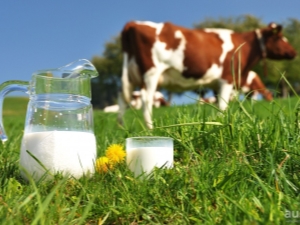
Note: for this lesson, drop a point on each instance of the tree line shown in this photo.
(109, 65)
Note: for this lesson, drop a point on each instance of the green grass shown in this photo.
(240, 166)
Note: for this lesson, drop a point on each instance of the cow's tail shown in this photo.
(126, 86)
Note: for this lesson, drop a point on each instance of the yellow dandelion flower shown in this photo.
(103, 164)
(115, 153)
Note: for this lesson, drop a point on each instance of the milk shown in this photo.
(69, 152)
(145, 159)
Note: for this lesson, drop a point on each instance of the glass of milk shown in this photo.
(59, 130)
(143, 154)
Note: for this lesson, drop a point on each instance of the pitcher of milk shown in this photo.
(58, 135)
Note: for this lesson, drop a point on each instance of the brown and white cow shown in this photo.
(178, 59)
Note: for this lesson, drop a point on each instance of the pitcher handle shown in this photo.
(5, 88)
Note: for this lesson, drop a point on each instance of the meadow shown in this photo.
(240, 166)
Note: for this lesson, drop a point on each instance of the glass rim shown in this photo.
(149, 137)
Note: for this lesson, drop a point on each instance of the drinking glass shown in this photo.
(143, 154)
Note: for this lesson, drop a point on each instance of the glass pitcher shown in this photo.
(58, 134)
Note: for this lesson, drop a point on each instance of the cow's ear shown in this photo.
(276, 28)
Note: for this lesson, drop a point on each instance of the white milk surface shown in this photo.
(145, 159)
(70, 152)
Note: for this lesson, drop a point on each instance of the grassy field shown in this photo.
(240, 166)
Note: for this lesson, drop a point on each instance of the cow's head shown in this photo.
(276, 46)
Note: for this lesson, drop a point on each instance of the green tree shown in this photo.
(292, 32)
(109, 66)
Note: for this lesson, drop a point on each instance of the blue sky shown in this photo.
(48, 34)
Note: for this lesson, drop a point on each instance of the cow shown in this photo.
(252, 87)
(177, 58)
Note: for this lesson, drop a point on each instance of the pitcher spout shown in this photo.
(81, 67)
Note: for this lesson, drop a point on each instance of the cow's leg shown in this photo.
(122, 108)
(147, 107)
(123, 104)
(124, 97)
(127, 87)
(255, 95)
(147, 94)
(225, 92)
(234, 94)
